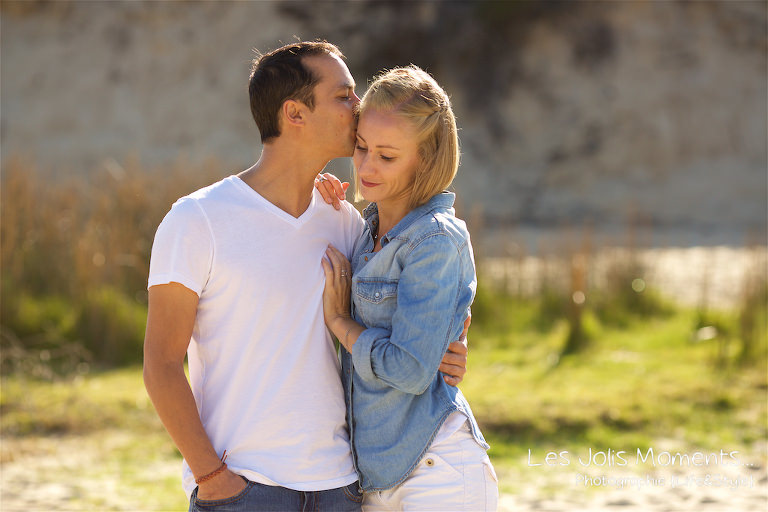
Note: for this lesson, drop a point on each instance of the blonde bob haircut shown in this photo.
(412, 94)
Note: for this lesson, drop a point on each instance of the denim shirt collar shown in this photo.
(443, 200)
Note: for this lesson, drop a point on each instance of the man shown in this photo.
(235, 280)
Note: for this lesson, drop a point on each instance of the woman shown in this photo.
(416, 444)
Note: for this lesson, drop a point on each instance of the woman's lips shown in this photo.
(369, 184)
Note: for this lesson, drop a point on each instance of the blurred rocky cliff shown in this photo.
(570, 112)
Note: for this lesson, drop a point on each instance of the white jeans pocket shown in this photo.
(454, 475)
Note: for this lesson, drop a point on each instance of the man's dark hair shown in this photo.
(281, 75)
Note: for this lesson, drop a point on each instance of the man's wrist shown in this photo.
(213, 474)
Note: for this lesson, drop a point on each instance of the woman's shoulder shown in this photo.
(439, 227)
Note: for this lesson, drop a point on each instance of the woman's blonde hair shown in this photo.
(412, 94)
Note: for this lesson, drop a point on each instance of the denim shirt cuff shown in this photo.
(361, 351)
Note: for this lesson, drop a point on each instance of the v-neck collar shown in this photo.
(296, 222)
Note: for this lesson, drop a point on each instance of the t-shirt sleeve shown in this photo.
(183, 248)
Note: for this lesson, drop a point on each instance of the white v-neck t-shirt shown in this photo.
(263, 368)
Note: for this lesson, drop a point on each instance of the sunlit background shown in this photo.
(613, 177)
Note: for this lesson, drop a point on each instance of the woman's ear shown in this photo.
(293, 112)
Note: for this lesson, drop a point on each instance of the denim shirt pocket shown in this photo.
(375, 301)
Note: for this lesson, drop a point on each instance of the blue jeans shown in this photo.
(257, 497)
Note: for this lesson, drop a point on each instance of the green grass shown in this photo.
(102, 428)
(644, 384)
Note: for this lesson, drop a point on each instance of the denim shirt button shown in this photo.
(377, 295)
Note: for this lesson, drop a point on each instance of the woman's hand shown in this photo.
(338, 283)
(331, 188)
(336, 309)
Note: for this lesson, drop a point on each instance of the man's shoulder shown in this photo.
(346, 211)
(220, 191)
(196, 206)
(225, 186)
(350, 211)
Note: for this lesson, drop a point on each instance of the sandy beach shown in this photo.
(69, 473)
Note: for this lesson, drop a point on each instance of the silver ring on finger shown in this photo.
(322, 179)
(343, 273)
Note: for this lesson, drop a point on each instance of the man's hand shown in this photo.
(454, 363)
(331, 188)
(224, 485)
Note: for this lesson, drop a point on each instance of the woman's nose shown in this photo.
(364, 165)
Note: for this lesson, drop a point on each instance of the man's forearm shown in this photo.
(172, 397)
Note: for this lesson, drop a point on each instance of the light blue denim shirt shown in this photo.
(413, 297)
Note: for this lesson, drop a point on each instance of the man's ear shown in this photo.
(294, 112)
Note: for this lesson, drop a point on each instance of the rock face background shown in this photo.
(570, 112)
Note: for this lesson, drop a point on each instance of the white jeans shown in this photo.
(455, 474)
